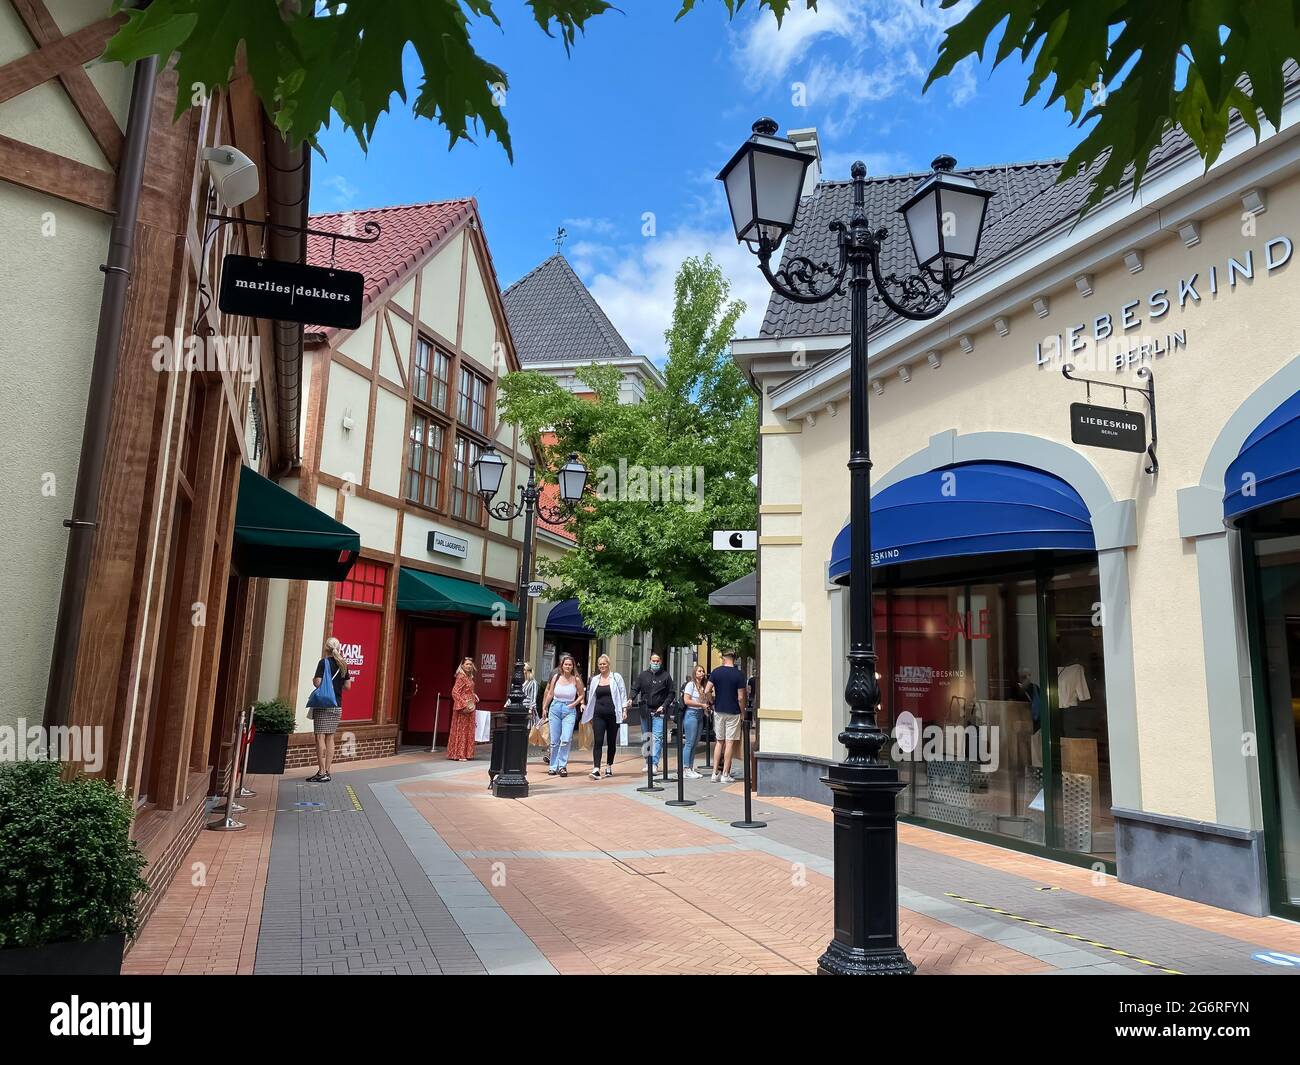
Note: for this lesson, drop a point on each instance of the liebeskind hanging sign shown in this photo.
(291, 292)
(1119, 430)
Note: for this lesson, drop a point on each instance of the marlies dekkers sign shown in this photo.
(1120, 430)
(291, 292)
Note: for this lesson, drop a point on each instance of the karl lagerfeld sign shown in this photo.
(290, 292)
(1119, 430)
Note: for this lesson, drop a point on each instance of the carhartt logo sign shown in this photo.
(133, 1020)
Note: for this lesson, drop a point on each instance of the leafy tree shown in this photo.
(308, 59)
(643, 560)
(1138, 68)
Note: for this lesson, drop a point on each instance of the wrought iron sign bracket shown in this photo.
(212, 226)
(1148, 393)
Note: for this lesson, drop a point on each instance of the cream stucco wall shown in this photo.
(50, 288)
(1235, 340)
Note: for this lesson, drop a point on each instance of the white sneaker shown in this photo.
(716, 776)
(727, 778)
(691, 774)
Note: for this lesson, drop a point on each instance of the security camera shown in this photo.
(233, 174)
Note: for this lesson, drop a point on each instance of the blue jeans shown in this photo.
(563, 719)
(692, 723)
(655, 731)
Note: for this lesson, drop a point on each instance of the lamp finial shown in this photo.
(766, 127)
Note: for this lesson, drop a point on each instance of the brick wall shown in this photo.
(159, 872)
(367, 741)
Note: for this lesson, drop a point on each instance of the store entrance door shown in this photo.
(1272, 546)
(432, 654)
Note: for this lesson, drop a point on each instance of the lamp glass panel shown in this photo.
(573, 478)
(488, 470)
(739, 197)
(923, 225)
(778, 181)
(962, 215)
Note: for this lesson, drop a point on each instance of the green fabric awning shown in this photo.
(434, 593)
(279, 535)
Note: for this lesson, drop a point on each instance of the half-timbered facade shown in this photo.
(136, 409)
(396, 413)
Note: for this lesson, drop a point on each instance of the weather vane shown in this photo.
(560, 234)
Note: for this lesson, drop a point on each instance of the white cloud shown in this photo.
(867, 51)
(343, 194)
(638, 291)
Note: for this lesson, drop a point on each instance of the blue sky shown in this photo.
(637, 121)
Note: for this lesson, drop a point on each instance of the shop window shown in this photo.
(432, 378)
(424, 461)
(999, 683)
(472, 410)
(364, 584)
(464, 502)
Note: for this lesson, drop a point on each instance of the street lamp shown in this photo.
(510, 754)
(944, 217)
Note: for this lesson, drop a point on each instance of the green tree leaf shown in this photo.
(344, 58)
(1147, 67)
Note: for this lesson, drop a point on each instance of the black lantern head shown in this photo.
(764, 182)
(489, 468)
(573, 479)
(945, 217)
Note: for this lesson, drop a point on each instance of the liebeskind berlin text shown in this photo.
(309, 292)
(1109, 423)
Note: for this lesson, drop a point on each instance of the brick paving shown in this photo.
(409, 865)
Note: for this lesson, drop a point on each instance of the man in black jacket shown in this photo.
(653, 690)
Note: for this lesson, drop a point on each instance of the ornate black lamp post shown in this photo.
(511, 779)
(944, 216)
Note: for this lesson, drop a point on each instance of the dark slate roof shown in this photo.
(554, 318)
(1015, 187)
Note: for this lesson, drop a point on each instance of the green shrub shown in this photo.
(274, 717)
(69, 871)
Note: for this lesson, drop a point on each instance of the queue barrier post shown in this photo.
(228, 822)
(749, 821)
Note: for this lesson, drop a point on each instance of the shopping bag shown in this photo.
(586, 736)
(323, 697)
(539, 735)
(482, 726)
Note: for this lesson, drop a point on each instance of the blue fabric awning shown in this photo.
(1267, 469)
(566, 619)
(979, 508)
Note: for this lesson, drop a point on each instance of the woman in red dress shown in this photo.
(464, 701)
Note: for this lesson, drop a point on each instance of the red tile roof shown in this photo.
(407, 234)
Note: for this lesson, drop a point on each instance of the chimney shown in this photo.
(806, 141)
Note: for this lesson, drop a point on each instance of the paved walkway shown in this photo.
(409, 865)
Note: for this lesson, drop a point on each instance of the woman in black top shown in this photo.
(606, 705)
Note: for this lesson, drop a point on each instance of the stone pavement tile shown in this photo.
(208, 918)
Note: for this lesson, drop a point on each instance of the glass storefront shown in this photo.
(994, 686)
(1272, 545)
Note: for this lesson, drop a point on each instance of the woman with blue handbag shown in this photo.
(326, 706)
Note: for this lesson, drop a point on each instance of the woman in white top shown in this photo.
(563, 694)
(606, 709)
(695, 694)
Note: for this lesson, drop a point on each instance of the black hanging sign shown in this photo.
(1111, 427)
(291, 292)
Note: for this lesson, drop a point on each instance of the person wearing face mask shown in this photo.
(652, 691)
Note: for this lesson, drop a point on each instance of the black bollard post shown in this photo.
(681, 799)
(648, 742)
(749, 821)
(665, 748)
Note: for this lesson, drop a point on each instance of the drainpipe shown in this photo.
(99, 406)
(288, 179)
